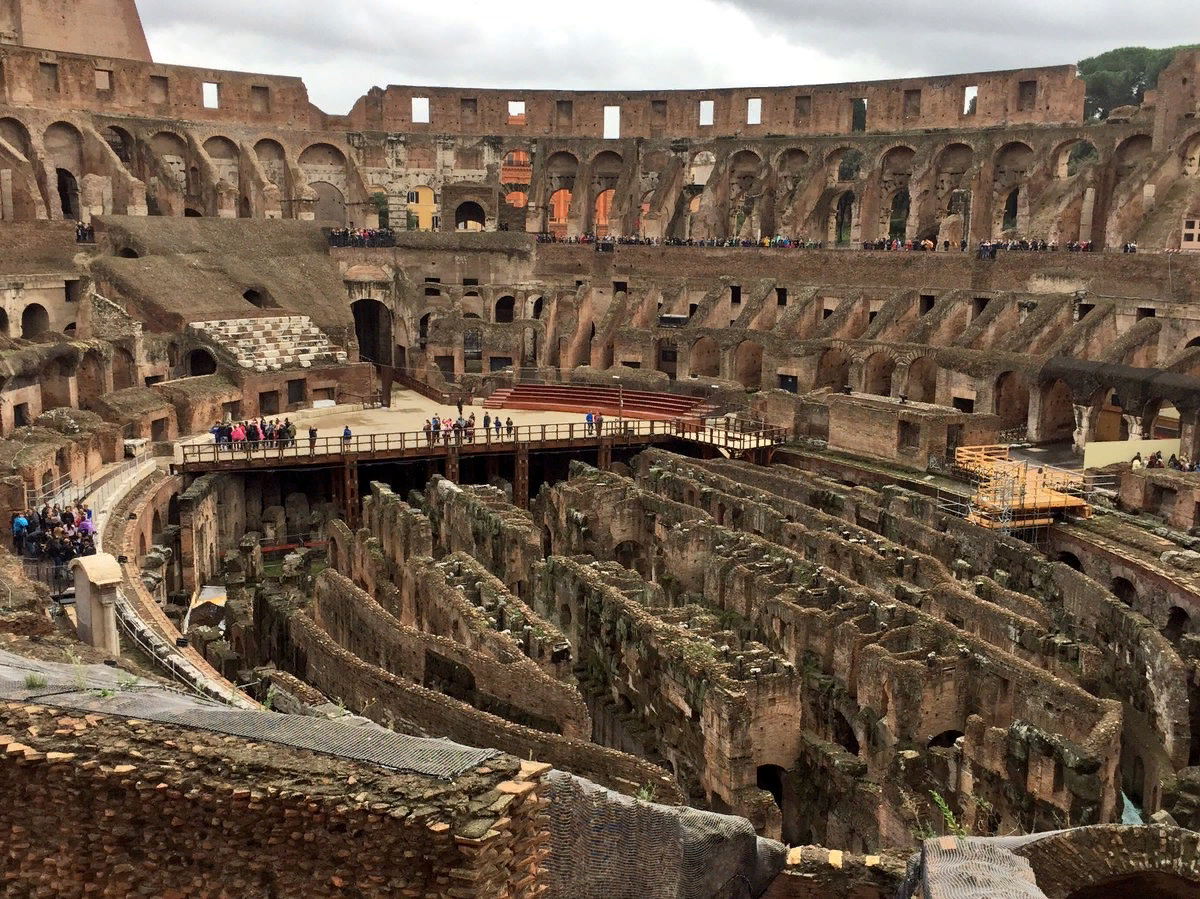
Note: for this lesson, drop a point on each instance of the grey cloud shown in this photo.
(343, 49)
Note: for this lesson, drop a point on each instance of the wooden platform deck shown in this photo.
(1015, 494)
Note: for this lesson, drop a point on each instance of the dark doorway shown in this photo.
(68, 195)
(373, 329)
(1010, 209)
(898, 225)
(844, 220)
(201, 362)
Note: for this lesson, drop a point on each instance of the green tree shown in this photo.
(380, 202)
(1121, 77)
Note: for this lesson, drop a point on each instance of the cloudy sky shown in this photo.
(343, 48)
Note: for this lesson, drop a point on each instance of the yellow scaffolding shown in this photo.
(1015, 494)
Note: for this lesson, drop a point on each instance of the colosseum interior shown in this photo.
(794, 544)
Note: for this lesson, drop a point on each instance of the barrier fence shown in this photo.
(727, 434)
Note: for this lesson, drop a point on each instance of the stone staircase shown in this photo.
(272, 344)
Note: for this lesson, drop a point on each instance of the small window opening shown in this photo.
(516, 112)
(803, 108)
(970, 99)
(706, 112)
(103, 80)
(420, 110)
(735, 294)
(211, 94)
(912, 104)
(612, 122)
(1026, 95)
(754, 111)
(962, 404)
(781, 296)
(858, 114)
(1145, 312)
(927, 301)
(978, 305)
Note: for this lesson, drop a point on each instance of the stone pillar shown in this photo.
(1189, 432)
(1086, 212)
(1083, 427)
(7, 213)
(96, 581)
(1134, 424)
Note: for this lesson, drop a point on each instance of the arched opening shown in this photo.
(35, 321)
(1056, 419)
(705, 358)
(56, 385)
(191, 213)
(1156, 884)
(469, 216)
(849, 164)
(770, 778)
(504, 309)
(844, 219)
(945, 740)
(1012, 399)
(155, 527)
(1134, 781)
(701, 167)
(602, 212)
(201, 362)
(128, 253)
(898, 223)
(833, 370)
(878, 374)
(1131, 152)
(373, 331)
(1070, 560)
(790, 166)
(560, 207)
(1009, 222)
(1124, 590)
(68, 195)
(423, 327)
(16, 134)
(1108, 410)
(536, 312)
(124, 369)
(89, 379)
(922, 380)
(1073, 157)
(3, 323)
(843, 733)
(1178, 624)
(330, 205)
(747, 364)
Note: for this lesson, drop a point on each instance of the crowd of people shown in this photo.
(463, 428)
(55, 535)
(1174, 462)
(84, 233)
(252, 434)
(362, 237)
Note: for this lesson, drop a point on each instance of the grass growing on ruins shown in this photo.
(34, 681)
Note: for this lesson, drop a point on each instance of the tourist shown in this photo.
(1137, 463)
(487, 424)
(496, 423)
(589, 421)
(436, 430)
(20, 525)
(312, 440)
(346, 435)
(598, 422)
(508, 426)
(428, 429)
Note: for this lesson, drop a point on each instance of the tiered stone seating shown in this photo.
(606, 400)
(272, 344)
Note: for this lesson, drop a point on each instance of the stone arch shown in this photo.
(1011, 399)
(322, 154)
(790, 165)
(222, 148)
(945, 740)
(1179, 622)
(331, 203)
(561, 169)
(35, 321)
(560, 208)
(844, 163)
(877, 373)
(701, 167)
(1108, 416)
(1130, 152)
(833, 369)
(1124, 590)
(955, 160)
(704, 359)
(747, 364)
(89, 379)
(897, 160)
(1189, 155)
(201, 362)
(192, 213)
(469, 216)
(1013, 160)
(1073, 156)
(922, 380)
(1070, 560)
(68, 195)
(743, 169)
(270, 152)
(64, 147)
(602, 212)
(14, 132)
(505, 309)
(373, 330)
(1056, 412)
(124, 369)
(843, 219)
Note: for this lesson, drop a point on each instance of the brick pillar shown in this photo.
(521, 478)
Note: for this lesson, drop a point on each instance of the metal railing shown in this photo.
(728, 434)
(63, 490)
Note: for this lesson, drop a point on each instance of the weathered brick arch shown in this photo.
(1069, 862)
